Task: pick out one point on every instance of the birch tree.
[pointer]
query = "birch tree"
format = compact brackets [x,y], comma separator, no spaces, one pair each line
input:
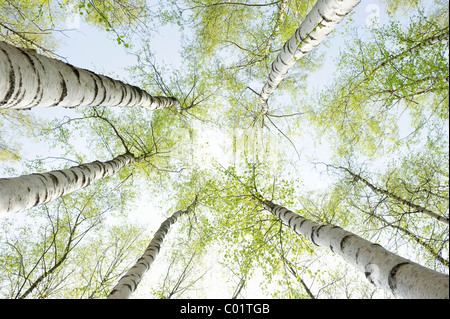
[28,80]
[140,152]
[399,199]
[393,206]
[399,276]
[319,22]
[33,23]
[129,282]
[67,248]
[402,277]
[392,73]
[27,191]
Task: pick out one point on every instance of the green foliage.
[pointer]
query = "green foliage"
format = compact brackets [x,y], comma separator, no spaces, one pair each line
[392,72]
[385,116]
[33,23]
[27,23]
[73,233]
[14,124]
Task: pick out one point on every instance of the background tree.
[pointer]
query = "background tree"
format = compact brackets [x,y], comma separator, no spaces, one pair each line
[45,261]
[219,125]
[392,72]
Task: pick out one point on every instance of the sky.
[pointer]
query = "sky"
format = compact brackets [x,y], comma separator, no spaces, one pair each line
[89,48]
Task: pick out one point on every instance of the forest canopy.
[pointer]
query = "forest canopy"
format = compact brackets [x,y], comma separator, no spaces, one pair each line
[180,161]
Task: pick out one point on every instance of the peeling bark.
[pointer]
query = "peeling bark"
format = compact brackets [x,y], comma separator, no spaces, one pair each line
[29,80]
[319,22]
[395,274]
[27,191]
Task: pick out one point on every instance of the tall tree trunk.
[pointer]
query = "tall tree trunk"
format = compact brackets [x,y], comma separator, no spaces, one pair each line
[28,79]
[129,282]
[27,191]
[319,22]
[402,277]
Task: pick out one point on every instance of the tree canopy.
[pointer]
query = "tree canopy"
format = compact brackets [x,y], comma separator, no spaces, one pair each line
[356,136]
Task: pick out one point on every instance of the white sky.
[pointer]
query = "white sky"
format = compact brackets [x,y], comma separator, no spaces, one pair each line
[89,48]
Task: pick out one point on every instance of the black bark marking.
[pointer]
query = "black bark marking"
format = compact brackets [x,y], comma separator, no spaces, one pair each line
[63,90]
[122,94]
[129,287]
[65,175]
[369,277]
[40,89]
[83,179]
[290,219]
[17,98]
[95,88]
[33,65]
[12,80]
[77,73]
[100,79]
[140,95]
[344,241]
[324,18]
[288,47]
[392,280]
[54,179]
[313,230]
[341,15]
[301,223]
[37,200]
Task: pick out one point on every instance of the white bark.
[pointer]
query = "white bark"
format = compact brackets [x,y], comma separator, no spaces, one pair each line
[129,282]
[27,191]
[319,22]
[400,276]
[28,79]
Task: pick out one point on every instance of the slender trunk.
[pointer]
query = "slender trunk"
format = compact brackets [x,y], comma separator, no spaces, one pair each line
[28,79]
[319,22]
[397,198]
[27,191]
[129,282]
[442,35]
[51,270]
[402,277]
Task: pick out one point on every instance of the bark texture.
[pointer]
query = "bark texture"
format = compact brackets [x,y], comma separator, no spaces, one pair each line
[319,22]
[27,191]
[129,282]
[28,79]
[400,276]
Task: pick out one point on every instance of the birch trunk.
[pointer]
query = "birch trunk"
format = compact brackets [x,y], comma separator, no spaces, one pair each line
[27,191]
[402,277]
[28,79]
[129,282]
[319,22]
